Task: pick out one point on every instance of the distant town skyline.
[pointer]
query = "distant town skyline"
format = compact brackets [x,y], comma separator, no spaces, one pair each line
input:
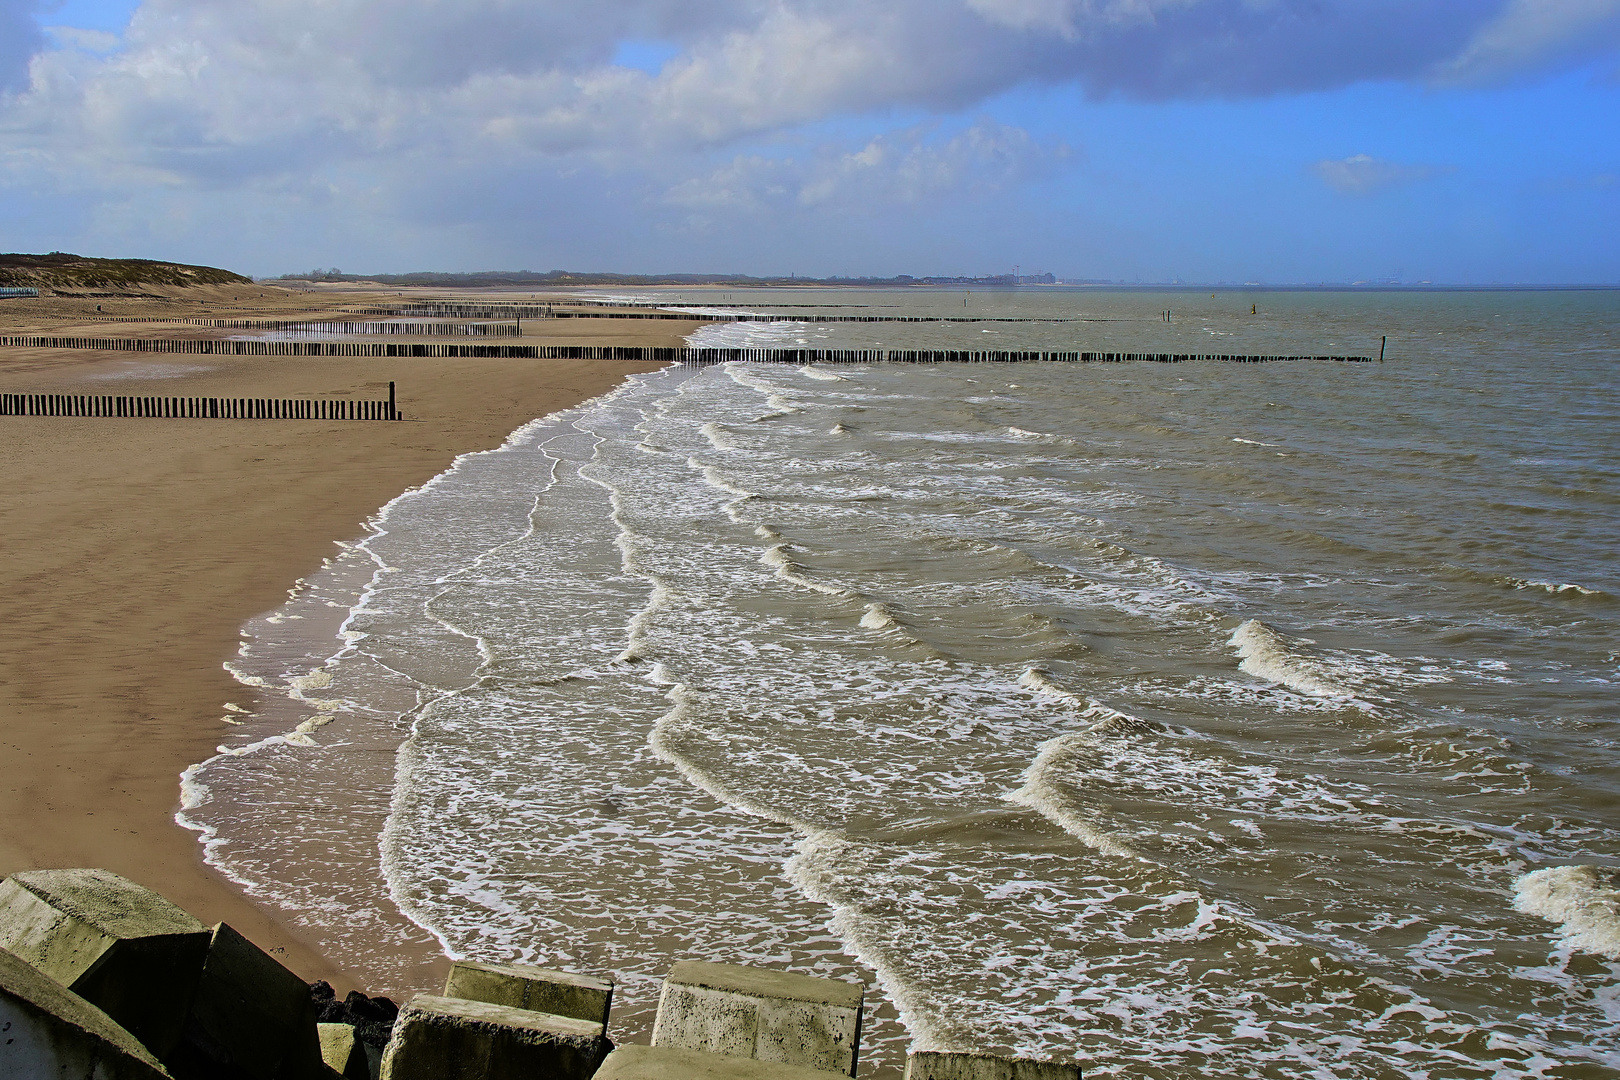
[1450,141]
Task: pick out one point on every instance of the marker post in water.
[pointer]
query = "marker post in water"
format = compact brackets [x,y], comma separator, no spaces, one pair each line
[1382,345]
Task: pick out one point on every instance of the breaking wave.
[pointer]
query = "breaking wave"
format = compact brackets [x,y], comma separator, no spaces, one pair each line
[1584,904]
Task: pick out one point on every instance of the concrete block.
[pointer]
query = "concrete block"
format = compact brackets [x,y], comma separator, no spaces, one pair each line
[118,945]
[758,1013]
[48,1031]
[343,1051]
[519,987]
[251,1018]
[440,1038]
[936,1066]
[672,1063]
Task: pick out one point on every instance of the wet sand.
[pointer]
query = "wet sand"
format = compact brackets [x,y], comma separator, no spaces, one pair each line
[133,551]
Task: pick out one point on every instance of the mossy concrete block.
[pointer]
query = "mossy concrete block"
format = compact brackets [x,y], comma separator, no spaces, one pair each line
[251,1018]
[441,1038]
[50,1032]
[672,1063]
[118,945]
[520,987]
[343,1051]
[938,1066]
[752,1012]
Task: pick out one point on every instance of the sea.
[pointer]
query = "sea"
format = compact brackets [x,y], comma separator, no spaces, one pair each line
[1179,719]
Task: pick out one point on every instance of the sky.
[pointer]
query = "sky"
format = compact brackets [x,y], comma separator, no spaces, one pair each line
[1273,141]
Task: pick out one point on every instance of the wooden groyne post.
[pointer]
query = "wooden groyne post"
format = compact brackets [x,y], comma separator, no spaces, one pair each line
[198,408]
[209,347]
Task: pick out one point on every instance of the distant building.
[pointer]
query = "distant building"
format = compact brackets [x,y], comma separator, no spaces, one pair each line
[9,293]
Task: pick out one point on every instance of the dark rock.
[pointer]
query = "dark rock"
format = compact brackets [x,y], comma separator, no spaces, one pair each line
[371,1017]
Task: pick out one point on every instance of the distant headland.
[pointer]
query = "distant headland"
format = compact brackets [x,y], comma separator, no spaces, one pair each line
[62,272]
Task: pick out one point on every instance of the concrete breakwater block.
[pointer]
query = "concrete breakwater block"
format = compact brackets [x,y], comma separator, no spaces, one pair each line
[521,987]
[928,1065]
[251,1018]
[118,945]
[440,1038]
[343,1052]
[48,1031]
[672,1063]
[751,1012]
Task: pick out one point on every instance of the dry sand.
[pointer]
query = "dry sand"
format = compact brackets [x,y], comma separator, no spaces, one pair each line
[135,549]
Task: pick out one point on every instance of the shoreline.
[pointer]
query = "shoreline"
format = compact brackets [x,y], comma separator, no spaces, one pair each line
[138,550]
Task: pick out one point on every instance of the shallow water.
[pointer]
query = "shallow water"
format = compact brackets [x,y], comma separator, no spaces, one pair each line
[1238,718]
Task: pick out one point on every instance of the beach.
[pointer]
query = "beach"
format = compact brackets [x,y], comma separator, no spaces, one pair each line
[136,549]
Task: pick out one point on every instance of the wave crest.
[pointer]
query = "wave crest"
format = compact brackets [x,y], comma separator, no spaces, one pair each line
[1266,654]
[879,617]
[1583,903]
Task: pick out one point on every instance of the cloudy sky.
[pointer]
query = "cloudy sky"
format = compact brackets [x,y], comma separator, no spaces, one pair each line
[1206,140]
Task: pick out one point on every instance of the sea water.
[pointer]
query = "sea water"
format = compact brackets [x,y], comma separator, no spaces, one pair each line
[1252,720]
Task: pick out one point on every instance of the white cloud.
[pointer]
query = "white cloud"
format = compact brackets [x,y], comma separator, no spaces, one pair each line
[1072,18]
[20,38]
[1362,174]
[308,106]
[910,166]
[1527,34]
[200,82]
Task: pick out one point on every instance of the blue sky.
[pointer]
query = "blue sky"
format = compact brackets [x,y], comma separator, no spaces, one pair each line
[1281,141]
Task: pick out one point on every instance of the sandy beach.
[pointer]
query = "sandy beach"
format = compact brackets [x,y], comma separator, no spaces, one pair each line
[135,550]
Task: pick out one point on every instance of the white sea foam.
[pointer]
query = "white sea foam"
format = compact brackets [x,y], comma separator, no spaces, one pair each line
[715,479]
[718,437]
[1039,792]
[1267,654]
[780,406]
[1041,682]
[879,617]
[1254,442]
[814,870]
[777,556]
[821,374]
[1580,899]
[1554,587]
[1040,787]
[780,334]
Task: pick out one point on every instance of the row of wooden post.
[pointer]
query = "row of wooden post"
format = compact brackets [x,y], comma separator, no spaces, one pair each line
[198,408]
[624,352]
